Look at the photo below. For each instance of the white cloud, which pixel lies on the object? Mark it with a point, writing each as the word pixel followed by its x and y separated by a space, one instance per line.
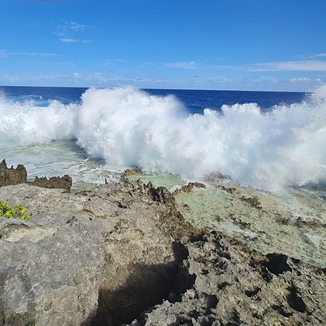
pixel 76 75
pixel 182 65
pixel 69 40
pixel 67 32
pixel 5 54
pixel 302 65
pixel 303 79
pixel 321 55
pixel 76 27
pixel 36 54
pixel 73 40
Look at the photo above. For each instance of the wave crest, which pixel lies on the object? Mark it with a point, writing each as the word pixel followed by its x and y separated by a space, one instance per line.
pixel 126 126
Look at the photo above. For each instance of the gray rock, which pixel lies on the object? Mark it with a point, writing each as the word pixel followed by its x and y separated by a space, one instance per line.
pixel 95 258
pixel 235 286
pixel 122 254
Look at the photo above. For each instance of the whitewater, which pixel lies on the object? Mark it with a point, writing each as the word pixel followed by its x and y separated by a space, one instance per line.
pixel 113 129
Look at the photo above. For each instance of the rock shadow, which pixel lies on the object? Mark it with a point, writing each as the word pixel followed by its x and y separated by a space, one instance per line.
pixel 146 286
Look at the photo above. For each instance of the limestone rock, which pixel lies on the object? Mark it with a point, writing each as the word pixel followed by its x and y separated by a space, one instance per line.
pixel 64 182
pixel 12 176
pixel 93 258
pixel 233 286
pixel 122 254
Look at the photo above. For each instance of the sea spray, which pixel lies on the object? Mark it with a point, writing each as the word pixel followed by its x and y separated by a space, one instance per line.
pixel 25 124
pixel 122 127
pixel 284 146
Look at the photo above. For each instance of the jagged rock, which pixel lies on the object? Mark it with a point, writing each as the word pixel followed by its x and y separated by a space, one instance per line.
pixel 12 176
pixel 64 182
pixel 189 187
pixel 122 254
pixel 93 258
pixel 136 170
pixel 253 201
pixel 234 286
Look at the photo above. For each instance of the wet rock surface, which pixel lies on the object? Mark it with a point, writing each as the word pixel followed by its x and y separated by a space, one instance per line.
pixel 123 254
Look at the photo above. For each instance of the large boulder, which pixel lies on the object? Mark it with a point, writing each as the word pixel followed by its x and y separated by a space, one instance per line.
pixel 94 258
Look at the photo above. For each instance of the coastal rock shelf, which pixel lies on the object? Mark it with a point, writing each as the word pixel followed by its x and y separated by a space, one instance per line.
pixel 292 222
pixel 122 253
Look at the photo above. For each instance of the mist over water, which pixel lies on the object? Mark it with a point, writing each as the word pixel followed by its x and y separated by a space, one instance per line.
pixel 126 126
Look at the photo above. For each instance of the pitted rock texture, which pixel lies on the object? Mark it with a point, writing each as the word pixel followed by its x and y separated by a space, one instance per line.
pixel 94 258
pixel 122 254
pixel 234 286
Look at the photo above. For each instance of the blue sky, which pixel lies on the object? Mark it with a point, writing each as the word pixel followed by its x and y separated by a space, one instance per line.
pixel 183 44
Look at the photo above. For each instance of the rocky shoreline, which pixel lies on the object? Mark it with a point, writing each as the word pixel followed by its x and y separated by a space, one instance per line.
pixel 122 253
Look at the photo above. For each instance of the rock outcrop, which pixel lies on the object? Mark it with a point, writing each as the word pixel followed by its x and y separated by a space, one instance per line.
pixel 234 286
pixel 93 258
pixel 122 254
pixel 14 176
pixel 64 182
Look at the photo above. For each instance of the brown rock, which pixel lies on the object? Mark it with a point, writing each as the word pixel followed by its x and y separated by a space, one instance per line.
pixel 64 182
pixel 253 201
pixel 12 176
pixel 134 171
pixel 190 186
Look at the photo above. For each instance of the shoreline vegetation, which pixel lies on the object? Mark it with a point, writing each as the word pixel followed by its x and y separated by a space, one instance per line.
pixel 129 253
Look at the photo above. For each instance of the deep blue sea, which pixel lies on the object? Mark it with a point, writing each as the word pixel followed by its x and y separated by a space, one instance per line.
pixel 262 139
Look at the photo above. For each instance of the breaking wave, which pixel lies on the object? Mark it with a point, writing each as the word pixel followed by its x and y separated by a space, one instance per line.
pixel 127 127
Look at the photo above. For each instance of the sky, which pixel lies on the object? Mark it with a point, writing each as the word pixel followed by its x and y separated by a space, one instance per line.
pixel 274 45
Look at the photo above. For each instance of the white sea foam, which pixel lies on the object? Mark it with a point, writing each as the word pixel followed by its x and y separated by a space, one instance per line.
pixel 126 127
pixel 266 150
pixel 26 124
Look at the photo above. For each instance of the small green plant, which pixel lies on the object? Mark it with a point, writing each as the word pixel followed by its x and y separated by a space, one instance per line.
pixel 18 211
pixel 31 324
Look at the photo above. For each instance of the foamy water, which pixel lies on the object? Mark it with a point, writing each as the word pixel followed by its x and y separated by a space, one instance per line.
pixel 124 127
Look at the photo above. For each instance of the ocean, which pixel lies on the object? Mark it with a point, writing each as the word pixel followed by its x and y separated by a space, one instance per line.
pixel 266 140
pixel 271 145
